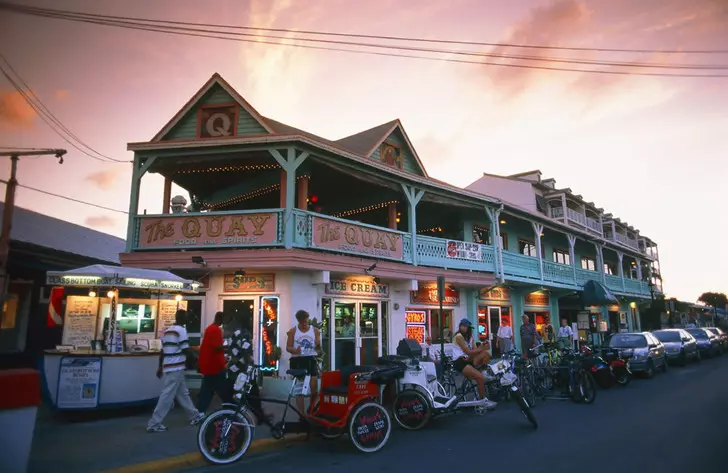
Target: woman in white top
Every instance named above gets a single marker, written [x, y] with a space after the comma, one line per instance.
[304, 345]
[504, 340]
[463, 355]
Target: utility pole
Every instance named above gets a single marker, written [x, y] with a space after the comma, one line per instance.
[7, 221]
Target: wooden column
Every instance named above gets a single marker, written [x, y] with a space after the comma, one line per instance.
[284, 177]
[167, 195]
[302, 190]
[392, 209]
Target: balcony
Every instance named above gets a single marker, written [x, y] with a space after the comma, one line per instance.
[622, 239]
[314, 231]
[577, 217]
[594, 225]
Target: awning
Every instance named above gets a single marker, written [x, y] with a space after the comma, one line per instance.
[594, 293]
[100, 275]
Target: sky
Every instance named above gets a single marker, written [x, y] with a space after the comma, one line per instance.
[650, 150]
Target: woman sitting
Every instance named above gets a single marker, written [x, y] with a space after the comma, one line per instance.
[466, 357]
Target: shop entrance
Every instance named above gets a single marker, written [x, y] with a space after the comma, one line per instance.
[489, 321]
[352, 332]
[239, 314]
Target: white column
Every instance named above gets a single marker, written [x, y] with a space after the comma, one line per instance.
[413, 197]
[537, 230]
[572, 255]
[620, 257]
[638, 262]
[563, 205]
[600, 261]
[495, 239]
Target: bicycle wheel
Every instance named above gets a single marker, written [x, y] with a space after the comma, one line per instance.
[587, 387]
[369, 427]
[225, 435]
[411, 409]
[527, 390]
[526, 409]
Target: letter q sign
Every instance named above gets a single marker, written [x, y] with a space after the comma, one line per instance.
[218, 124]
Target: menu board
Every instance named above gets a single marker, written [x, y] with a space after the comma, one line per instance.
[167, 312]
[79, 326]
[78, 383]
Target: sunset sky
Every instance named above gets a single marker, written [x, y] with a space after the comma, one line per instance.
[653, 151]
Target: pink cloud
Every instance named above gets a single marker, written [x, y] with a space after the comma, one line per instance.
[61, 94]
[104, 180]
[15, 111]
[100, 221]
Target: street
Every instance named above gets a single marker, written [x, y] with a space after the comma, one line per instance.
[675, 422]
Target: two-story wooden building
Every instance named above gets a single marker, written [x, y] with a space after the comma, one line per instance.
[354, 231]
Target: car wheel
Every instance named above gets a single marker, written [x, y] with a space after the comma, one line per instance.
[664, 364]
[683, 358]
[698, 357]
[650, 371]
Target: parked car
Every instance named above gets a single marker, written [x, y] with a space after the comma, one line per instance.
[722, 337]
[680, 346]
[708, 343]
[644, 352]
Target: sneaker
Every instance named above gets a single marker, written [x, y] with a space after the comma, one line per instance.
[157, 428]
[199, 417]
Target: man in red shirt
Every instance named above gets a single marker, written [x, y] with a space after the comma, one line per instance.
[212, 365]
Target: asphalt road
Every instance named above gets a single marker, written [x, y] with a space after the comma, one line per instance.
[675, 422]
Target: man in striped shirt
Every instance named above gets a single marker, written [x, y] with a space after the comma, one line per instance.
[172, 371]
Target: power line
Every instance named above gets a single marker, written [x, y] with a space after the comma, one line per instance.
[28, 9]
[46, 115]
[191, 32]
[3, 181]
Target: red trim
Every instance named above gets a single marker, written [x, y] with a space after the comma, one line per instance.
[21, 388]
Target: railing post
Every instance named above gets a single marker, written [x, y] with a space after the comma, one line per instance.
[289, 164]
[638, 262]
[494, 217]
[138, 170]
[600, 262]
[538, 229]
[620, 257]
[572, 256]
[413, 197]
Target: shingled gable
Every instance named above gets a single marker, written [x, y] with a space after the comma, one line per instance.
[368, 143]
[216, 88]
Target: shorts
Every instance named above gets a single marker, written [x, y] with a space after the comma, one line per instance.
[305, 363]
[461, 363]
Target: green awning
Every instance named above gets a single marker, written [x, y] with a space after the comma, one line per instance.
[594, 293]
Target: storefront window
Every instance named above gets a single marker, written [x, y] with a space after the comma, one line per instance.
[435, 320]
[268, 334]
[132, 317]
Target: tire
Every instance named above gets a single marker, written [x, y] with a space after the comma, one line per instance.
[411, 409]
[698, 357]
[527, 391]
[208, 435]
[331, 434]
[683, 359]
[623, 378]
[664, 365]
[650, 371]
[587, 387]
[526, 409]
[365, 423]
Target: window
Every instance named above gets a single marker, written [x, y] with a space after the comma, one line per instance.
[527, 248]
[481, 235]
[608, 269]
[562, 257]
[130, 316]
[434, 325]
[588, 264]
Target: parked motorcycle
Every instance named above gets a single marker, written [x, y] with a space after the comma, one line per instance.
[599, 368]
[619, 365]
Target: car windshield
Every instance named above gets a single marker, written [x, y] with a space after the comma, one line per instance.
[698, 333]
[627, 340]
[714, 330]
[667, 336]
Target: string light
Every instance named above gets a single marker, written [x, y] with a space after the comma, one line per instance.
[241, 167]
[250, 195]
[431, 230]
[361, 210]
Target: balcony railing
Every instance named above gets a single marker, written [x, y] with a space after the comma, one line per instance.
[265, 229]
[594, 225]
[557, 212]
[632, 243]
[575, 216]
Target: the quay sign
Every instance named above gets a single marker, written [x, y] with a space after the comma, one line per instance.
[358, 239]
[357, 287]
[212, 231]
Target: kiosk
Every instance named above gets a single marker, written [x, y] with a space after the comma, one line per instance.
[104, 361]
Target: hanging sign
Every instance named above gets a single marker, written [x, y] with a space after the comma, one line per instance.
[495, 294]
[415, 325]
[427, 294]
[250, 283]
[537, 298]
[78, 383]
[80, 321]
[358, 239]
[167, 313]
[364, 287]
[464, 250]
[224, 231]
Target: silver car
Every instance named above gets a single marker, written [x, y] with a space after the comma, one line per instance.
[680, 346]
[645, 352]
[708, 343]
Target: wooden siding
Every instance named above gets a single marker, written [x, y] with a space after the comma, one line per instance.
[186, 129]
[410, 163]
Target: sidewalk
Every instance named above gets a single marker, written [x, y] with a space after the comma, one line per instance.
[95, 442]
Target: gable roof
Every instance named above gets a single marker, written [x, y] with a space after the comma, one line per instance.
[216, 79]
[366, 142]
[48, 232]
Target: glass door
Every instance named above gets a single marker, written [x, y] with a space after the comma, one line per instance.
[494, 320]
[356, 332]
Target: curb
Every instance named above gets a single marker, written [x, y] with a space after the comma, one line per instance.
[193, 460]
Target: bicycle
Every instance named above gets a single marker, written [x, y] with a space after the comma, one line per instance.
[349, 403]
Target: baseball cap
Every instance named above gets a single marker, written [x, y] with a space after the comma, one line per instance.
[466, 322]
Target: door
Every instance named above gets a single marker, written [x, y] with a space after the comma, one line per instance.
[356, 333]
[239, 314]
[494, 317]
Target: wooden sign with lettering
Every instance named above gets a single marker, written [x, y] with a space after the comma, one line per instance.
[358, 239]
[250, 283]
[357, 287]
[495, 294]
[427, 294]
[537, 298]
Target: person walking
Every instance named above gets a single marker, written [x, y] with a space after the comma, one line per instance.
[304, 345]
[504, 341]
[528, 335]
[175, 346]
[212, 365]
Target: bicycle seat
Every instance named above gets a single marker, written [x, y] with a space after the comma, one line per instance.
[298, 373]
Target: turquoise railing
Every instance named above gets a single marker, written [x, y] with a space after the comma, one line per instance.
[557, 272]
[613, 283]
[432, 251]
[520, 266]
